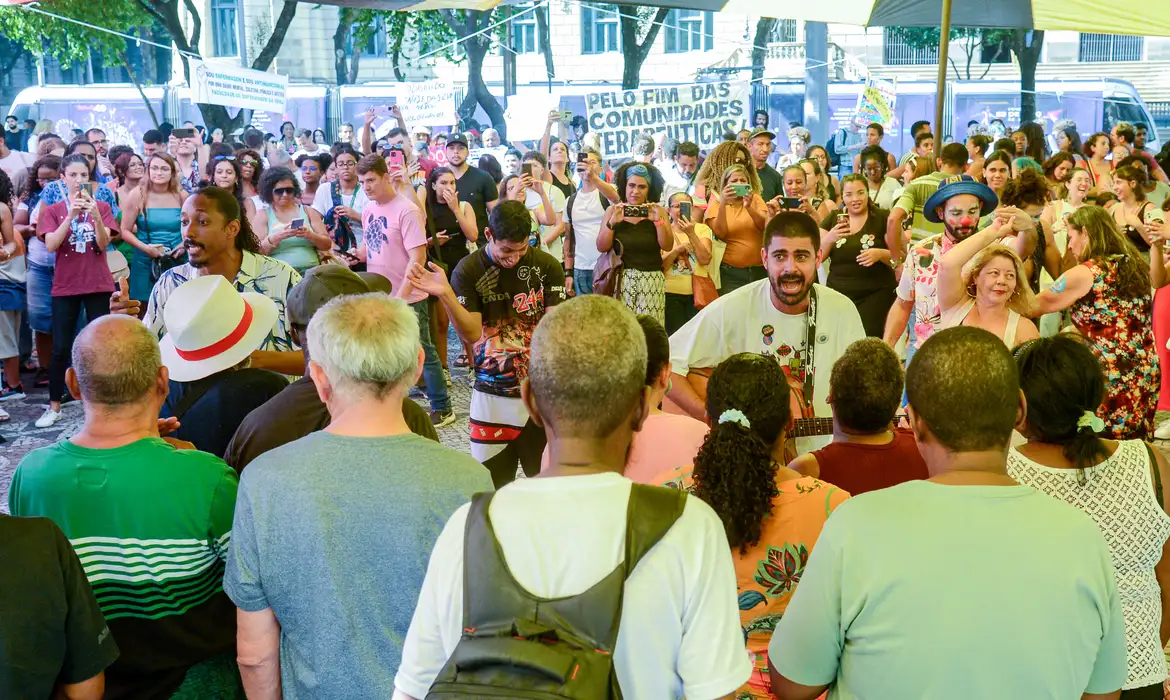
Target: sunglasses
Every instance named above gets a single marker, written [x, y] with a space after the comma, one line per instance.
[285, 191]
[219, 158]
[249, 161]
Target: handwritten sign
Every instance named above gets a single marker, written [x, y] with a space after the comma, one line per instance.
[876, 103]
[699, 113]
[430, 103]
[232, 86]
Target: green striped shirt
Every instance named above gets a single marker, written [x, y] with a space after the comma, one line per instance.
[913, 200]
[150, 523]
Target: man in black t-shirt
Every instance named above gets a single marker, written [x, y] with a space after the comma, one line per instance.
[55, 635]
[474, 186]
[495, 298]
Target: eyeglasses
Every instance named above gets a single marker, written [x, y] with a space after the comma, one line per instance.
[285, 191]
[345, 163]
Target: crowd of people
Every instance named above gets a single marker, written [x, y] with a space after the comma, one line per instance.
[784, 419]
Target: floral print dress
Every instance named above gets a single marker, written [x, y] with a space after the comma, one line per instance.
[767, 574]
[1121, 333]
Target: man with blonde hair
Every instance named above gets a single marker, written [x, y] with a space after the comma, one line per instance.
[334, 529]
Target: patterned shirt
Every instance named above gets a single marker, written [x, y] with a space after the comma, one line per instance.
[919, 284]
[258, 273]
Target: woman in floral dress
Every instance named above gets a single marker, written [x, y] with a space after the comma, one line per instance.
[1109, 300]
[853, 240]
[772, 514]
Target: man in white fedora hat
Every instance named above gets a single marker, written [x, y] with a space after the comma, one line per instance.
[220, 242]
[212, 331]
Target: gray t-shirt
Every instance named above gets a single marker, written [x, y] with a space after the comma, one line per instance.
[334, 533]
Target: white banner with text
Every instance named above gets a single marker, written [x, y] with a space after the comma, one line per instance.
[232, 86]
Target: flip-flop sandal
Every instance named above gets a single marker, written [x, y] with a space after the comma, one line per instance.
[461, 361]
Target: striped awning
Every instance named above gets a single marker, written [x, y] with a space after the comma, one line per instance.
[1150, 18]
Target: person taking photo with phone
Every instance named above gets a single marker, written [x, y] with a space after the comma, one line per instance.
[77, 231]
[738, 217]
[689, 257]
[639, 230]
[583, 214]
[296, 233]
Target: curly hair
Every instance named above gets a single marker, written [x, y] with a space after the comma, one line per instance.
[875, 153]
[273, 176]
[1088, 146]
[1104, 241]
[229, 206]
[656, 181]
[510, 221]
[720, 159]
[734, 471]
[322, 159]
[32, 188]
[1134, 175]
[1029, 187]
[7, 191]
[256, 169]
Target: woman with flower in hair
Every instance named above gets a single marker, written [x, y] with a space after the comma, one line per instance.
[772, 514]
[641, 238]
[1108, 296]
[1117, 483]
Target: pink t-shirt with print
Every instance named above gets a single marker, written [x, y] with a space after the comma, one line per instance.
[392, 230]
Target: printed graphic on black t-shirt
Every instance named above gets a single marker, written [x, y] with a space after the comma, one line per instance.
[512, 301]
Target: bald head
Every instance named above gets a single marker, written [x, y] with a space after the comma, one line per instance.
[586, 384]
[116, 361]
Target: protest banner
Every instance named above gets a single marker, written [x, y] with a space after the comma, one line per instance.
[430, 103]
[232, 86]
[876, 103]
[699, 113]
[496, 152]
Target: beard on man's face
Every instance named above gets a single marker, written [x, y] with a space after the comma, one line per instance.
[961, 233]
[790, 287]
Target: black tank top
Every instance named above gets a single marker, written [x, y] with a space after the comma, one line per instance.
[444, 221]
[566, 188]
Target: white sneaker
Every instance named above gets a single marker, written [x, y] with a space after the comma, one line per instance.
[4, 417]
[48, 418]
[1163, 431]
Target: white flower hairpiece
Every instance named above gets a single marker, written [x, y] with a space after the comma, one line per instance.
[733, 415]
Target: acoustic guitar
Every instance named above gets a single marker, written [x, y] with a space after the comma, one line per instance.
[802, 422]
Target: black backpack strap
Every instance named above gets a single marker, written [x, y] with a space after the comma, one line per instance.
[651, 513]
[478, 544]
[190, 396]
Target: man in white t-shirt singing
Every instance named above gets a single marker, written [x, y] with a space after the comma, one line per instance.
[805, 326]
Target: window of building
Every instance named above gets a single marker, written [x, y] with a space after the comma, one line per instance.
[375, 45]
[600, 28]
[526, 28]
[223, 27]
[688, 30]
[895, 52]
[1101, 48]
[784, 32]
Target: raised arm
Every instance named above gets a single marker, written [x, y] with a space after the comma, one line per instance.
[950, 271]
[1069, 287]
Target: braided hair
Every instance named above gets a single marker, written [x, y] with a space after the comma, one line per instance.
[734, 472]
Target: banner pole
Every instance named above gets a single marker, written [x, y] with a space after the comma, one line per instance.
[944, 44]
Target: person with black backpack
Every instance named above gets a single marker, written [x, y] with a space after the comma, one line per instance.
[579, 583]
[583, 214]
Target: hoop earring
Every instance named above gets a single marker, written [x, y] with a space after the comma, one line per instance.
[971, 290]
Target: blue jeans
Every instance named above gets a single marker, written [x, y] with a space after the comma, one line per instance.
[432, 368]
[582, 282]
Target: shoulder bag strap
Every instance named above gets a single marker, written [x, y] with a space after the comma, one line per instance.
[810, 343]
[651, 512]
[190, 396]
[1157, 474]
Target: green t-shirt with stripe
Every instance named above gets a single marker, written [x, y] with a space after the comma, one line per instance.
[151, 526]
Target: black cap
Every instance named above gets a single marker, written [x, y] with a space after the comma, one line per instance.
[321, 285]
[457, 138]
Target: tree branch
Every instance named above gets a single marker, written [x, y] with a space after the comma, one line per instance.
[449, 18]
[272, 47]
[150, 10]
[652, 32]
[196, 23]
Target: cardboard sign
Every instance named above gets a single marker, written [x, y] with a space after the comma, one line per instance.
[232, 86]
[876, 103]
[700, 113]
[431, 103]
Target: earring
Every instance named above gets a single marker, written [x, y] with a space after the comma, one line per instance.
[971, 290]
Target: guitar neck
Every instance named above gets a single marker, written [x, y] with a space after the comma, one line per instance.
[806, 427]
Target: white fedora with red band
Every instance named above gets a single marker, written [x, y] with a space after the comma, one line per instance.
[211, 327]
